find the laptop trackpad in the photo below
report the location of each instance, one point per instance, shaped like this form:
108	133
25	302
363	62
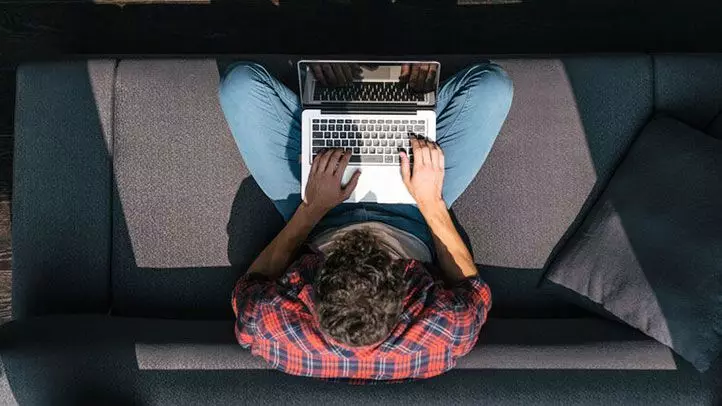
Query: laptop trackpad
378	184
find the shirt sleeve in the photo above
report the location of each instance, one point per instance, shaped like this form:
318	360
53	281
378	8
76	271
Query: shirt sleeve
250	292
466	305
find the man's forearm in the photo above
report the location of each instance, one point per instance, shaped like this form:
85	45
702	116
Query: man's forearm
277	256
455	260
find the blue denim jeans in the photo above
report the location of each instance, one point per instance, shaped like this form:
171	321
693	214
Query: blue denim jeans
265	119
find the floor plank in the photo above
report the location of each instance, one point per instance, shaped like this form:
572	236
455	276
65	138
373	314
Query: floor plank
6	173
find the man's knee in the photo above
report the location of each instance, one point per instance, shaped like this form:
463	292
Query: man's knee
491	79
241	77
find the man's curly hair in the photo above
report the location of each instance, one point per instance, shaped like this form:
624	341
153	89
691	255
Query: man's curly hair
359	290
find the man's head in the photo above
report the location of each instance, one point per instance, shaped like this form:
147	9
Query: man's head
359	291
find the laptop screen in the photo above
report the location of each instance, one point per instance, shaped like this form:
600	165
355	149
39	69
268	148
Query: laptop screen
328	83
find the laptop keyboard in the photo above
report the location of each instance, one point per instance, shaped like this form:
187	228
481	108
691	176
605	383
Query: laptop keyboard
371	141
369	92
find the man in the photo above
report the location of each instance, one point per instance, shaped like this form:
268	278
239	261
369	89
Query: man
362	305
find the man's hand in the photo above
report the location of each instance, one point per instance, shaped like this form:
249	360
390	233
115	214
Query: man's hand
427	178
335	74
324	190
421	77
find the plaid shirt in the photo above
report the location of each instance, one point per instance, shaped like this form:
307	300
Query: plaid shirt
276	320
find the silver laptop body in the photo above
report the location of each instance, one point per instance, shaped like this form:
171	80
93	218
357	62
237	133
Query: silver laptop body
368	108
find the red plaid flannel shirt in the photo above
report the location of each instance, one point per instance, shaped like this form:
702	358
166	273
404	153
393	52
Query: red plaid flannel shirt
276	320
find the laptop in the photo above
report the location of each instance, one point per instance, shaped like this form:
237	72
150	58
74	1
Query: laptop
371	109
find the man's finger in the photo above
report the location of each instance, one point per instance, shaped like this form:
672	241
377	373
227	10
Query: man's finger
342	163
405	168
340	75
405	72
424	153
318	74
322	159
316	160
430	79
351	185
441	162
421	80
329	75
414	76
348	72
332	161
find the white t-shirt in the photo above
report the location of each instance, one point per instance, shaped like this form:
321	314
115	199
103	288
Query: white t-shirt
400	244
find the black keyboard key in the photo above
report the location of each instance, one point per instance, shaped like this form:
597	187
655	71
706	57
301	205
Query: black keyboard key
378	127
354	127
352	143
336	143
404	121
329	143
397	121
366	135
372	121
324	127
344	143
315	120
382	135
316	127
331	120
347	127
357	121
386	128
419	128
319	143
412	122
383	143
397	159
376	143
317	134
374	135
323	120
362	127
389	159
398	135
364	150
348	120
334	134
392	143
378	159
372	150
402	127
358	135
331	127
357	150
343	135
364	121
389	151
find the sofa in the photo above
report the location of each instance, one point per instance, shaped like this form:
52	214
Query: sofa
133	216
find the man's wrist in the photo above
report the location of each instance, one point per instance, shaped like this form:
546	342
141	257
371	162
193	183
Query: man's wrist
431	207
311	213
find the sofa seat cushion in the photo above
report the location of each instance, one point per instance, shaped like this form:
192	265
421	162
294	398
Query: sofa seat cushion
187	217
114	360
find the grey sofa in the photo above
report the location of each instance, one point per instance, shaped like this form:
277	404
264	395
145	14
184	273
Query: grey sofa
134	214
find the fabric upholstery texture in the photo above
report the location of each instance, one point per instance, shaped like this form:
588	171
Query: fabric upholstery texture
550	155
62	182
689	87
107	348
187	217
650	251
162	231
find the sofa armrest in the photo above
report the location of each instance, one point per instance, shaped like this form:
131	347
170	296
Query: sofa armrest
62	188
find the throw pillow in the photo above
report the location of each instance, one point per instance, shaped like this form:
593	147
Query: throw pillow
650	249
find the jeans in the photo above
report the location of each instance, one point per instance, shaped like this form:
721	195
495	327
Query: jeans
265	119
